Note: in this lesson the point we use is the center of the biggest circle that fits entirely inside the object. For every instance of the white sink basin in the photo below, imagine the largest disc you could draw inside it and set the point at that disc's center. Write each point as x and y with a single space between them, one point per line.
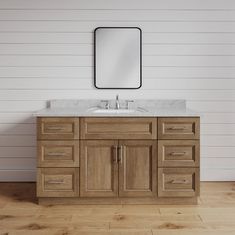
117 111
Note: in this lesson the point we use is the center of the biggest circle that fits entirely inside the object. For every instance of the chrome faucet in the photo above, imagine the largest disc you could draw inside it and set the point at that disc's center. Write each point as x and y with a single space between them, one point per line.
117 103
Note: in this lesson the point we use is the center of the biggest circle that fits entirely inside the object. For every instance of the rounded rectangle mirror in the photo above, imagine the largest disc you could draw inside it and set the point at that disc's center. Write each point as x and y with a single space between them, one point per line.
118 58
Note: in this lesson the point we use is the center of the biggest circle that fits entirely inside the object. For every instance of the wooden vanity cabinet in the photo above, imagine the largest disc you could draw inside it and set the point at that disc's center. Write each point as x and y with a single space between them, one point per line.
118 160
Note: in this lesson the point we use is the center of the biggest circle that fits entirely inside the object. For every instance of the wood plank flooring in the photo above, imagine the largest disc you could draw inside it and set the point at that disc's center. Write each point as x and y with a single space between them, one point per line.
214 215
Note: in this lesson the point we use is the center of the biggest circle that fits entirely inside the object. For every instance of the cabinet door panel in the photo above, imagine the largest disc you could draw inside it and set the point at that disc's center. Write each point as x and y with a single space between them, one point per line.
137 168
99 168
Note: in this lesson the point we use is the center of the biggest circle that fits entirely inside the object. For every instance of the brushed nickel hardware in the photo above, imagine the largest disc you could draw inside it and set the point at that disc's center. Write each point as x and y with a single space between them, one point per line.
120 148
115 148
106 102
117 103
128 103
177 153
55 181
179 182
54 128
56 154
176 128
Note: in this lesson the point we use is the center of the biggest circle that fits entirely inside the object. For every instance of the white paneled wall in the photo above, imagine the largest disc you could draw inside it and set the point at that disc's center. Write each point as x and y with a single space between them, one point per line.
46 50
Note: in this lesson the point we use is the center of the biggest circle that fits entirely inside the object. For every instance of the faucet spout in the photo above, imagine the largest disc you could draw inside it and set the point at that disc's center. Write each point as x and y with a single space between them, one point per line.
117 103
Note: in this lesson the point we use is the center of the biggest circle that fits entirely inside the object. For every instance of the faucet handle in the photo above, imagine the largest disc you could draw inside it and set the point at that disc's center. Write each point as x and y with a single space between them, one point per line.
128 103
106 103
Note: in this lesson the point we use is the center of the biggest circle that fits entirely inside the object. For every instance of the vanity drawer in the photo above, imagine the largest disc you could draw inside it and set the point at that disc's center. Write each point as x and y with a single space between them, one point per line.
178 182
178 128
118 128
58 153
178 153
58 128
57 182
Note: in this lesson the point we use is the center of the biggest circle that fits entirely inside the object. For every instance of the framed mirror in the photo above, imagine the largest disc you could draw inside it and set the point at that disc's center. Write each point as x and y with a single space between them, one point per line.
118 58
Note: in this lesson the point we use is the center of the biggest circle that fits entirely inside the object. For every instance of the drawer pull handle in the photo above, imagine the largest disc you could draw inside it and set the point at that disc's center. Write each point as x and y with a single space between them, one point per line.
177 153
175 128
56 154
55 128
120 148
55 181
115 148
179 182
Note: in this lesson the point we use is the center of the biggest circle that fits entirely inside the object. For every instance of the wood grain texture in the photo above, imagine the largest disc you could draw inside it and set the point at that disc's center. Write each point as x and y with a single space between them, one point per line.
178 182
99 168
57 128
58 182
20 214
58 153
118 128
137 168
178 153
178 128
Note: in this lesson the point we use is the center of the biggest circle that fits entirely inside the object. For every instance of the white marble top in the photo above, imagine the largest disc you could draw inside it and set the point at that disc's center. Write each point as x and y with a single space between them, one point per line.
141 108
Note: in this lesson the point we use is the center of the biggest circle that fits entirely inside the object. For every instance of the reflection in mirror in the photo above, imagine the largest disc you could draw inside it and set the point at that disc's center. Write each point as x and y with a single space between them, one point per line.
118 58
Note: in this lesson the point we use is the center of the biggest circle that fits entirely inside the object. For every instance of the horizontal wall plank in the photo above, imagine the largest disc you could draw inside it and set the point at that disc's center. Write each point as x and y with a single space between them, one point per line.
77 26
76 93
87 49
14 118
46 72
218 141
117 15
17 141
218 174
217 152
17 175
218 129
74 83
213 106
82 60
149 72
217 162
18 129
21 106
17 163
18 152
121 4
148 38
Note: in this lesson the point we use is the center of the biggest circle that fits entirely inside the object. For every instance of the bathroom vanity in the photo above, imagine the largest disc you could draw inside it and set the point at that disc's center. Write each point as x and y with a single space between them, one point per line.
89 157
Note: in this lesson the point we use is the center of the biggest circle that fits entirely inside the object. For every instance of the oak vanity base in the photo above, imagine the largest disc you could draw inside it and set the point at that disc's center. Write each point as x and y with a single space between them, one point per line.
110 160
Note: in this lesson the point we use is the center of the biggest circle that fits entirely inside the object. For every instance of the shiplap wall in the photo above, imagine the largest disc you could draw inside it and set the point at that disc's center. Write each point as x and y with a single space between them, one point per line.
46 49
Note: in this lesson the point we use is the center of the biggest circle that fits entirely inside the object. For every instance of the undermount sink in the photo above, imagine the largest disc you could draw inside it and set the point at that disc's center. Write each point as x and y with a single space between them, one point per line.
117 111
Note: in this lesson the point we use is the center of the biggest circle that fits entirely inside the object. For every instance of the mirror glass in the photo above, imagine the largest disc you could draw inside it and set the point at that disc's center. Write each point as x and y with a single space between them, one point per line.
118 58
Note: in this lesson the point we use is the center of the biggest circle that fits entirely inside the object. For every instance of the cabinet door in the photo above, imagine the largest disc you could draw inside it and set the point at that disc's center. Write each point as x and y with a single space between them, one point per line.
137 168
99 168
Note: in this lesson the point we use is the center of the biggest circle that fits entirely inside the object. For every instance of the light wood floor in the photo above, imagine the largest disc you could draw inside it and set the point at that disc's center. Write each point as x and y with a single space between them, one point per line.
215 214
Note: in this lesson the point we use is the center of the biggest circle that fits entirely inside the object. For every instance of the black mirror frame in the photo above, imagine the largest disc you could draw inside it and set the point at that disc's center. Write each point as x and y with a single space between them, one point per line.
131 88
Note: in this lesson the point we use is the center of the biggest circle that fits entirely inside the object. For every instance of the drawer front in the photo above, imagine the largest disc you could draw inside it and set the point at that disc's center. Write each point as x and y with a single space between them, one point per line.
178 153
58 153
178 182
178 128
118 128
58 128
57 182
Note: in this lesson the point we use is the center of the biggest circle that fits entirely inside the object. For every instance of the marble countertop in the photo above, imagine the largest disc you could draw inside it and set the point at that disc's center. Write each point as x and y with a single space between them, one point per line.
85 108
